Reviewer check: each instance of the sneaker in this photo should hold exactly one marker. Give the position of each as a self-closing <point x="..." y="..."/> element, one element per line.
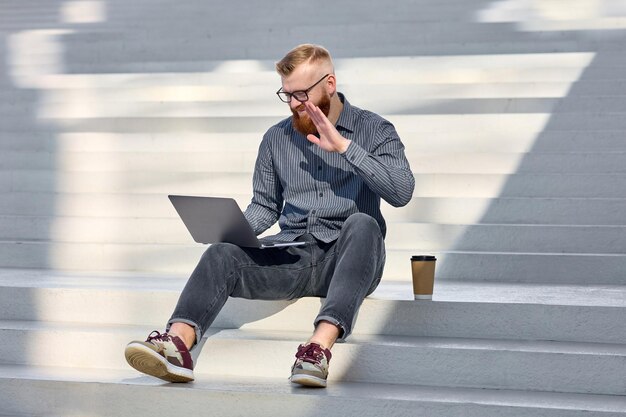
<point x="163" y="356"/>
<point x="311" y="365"/>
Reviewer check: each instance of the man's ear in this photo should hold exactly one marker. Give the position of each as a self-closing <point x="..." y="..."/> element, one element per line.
<point x="331" y="84"/>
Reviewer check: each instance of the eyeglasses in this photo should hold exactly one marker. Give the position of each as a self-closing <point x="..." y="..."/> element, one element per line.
<point x="300" y="95"/>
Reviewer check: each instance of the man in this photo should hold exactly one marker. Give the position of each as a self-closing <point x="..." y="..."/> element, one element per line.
<point x="321" y="174"/>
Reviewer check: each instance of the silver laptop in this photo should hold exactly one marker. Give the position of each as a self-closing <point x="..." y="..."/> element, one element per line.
<point x="216" y="219"/>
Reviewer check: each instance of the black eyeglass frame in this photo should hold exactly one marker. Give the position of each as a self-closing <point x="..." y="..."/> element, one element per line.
<point x="298" y="92"/>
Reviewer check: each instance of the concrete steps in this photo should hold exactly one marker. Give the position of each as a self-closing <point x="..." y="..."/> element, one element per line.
<point x="122" y="392"/>
<point x="514" y="125"/>
<point x="465" y="363"/>
<point x="449" y="355"/>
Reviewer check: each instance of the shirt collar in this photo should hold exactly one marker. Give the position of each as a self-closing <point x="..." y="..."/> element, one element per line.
<point x="347" y="117"/>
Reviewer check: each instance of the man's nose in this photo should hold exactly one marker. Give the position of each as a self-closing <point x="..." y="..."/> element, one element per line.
<point x="295" y="103"/>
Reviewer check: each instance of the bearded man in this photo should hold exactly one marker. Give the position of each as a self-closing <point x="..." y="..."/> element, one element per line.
<point x="321" y="174"/>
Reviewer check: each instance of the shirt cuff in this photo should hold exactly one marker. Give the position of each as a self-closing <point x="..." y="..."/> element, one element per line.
<point x="354" y="154"/>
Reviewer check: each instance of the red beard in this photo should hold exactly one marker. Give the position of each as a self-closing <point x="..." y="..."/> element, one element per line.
<point x="303" y="124"/>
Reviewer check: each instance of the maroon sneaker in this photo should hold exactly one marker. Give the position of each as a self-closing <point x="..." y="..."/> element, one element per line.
<point x="311" y="365"/>
<point x="163" y="356"/>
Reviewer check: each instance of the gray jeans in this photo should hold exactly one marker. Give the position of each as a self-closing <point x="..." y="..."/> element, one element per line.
<point x="344" y="271"/>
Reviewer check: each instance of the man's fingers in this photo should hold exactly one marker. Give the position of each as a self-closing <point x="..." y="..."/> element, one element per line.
<point x="316" y="115"/>
<point x="313" y="139"/>
<point x="311" y="111"/>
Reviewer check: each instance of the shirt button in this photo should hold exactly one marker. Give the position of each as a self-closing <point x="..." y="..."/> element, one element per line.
<point x="312" y="211"/>
<point x="321" y="194"/>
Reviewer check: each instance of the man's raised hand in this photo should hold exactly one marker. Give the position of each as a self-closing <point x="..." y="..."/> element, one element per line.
<point x="330" y="139"/>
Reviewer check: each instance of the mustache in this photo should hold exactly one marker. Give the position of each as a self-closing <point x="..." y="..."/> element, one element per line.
<point x="296" y="112"/>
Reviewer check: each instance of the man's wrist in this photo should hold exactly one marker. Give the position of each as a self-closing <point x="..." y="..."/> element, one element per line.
<point x="345" y="146"/>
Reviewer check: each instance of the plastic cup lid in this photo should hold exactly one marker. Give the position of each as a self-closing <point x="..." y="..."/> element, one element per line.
<point x="423" y="258"/>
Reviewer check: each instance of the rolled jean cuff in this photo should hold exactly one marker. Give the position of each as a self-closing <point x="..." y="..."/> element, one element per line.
<point x="343" y="334"/>
<point x="189" y="322"/>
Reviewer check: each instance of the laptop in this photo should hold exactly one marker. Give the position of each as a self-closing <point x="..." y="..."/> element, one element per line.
<point x="216" y="219"/>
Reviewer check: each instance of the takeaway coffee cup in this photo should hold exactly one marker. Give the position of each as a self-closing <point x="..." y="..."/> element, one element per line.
<point x="423" y="269"/>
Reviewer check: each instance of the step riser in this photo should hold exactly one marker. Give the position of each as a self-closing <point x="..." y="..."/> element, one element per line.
<point x="149" y="72"/>
<point x="156" y="21"/>
<point x="430" y="16"/>
<point x="492" y="68"/>
<point x="180" y="260"/>
<point x="189" y="90"/>
<point x="88" y="60"/>
<point x="193" y="39"/>
<point x="109" y="108"/>
<point x="244" y="161"/>
<point x="388" y="63"/>
<point x="519" y="141"/>
<point x="510" y="211"/>
<point x="500" y="72"/>
<point x="400" y="318"/>
<point x="412" y="365"/>
<point x="400" y="236"/>
<point x="146" y="400"/>
<point x="426" y="185"/>
<point x="373" y="13"/>
<point x="551" y="269"/>
<point x="405" y="124"/>
<point x="464" y="81"/>
<point x="548" y="211"/>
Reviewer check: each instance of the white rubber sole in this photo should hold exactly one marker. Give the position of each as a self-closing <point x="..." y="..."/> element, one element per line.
<point x="308" y="380"/>
<point x="147" y="361"/>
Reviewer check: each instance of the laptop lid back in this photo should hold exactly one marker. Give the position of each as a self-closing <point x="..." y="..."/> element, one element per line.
<point x="214" y="219"/>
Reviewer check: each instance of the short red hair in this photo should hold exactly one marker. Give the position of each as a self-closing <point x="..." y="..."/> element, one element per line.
<point x="299" y="55"/>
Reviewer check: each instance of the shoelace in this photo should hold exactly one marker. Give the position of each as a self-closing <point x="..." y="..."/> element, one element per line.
<point x="311" y="353"/>
<point x="164" y="337"/>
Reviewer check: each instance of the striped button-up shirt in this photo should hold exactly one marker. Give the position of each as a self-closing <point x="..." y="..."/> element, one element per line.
<point x="309" y="190"/>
